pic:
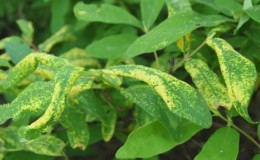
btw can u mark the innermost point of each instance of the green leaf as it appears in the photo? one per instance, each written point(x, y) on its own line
point(254, 12)
point(64, 34)
point(106, 13)
point(73, 119)
point(93, 104)
point(256, 157)
point(150, 11)
point(178, 6)
point(182, 99)
point(27, 29)
point(170, 31)
point(208, 84)
point(111, 47)
point(146, 141)
point(153, 105)
point(46, 145)
point(17, 49)
point(240, 80)
point(26, 155)
point(223, 144)
point(58, 14)
point(231, 7)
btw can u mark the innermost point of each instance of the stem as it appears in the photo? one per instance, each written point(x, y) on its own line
point(239, 130)
point(156, 59)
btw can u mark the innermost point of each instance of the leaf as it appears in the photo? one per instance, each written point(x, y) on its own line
point(73, 119)
point(256, 157)
point(47, 145)
point(223, 144)
point(239, 74)
point(93, 104)
point(178, 6)
point(153, 105)
point(17, 49)
point(208, 84)
point(181, 99)
point(64, 34)
point(231, 7)
point(32, 100)
point(170, 31)
point(58, 14)
point(141, 142)
point(106, 13)
point(254, 12)
point(111, 47)
point(27, 29)
point(150, 11)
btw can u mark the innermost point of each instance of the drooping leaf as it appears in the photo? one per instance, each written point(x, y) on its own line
point(111, 47)
point(47, 145)
point(150, 11)
point(254, 12)
point(182, 100)
point(27, 29)
point(170, 31)
point(240, 81)
point(58, 14)
point(106, 13)
point(64, 34)
point(73, 120)
point(146, 141)
point(223, 144)
point(153, 105)
point(93, 104)
point(208, 84)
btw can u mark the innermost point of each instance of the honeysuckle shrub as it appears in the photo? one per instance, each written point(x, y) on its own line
point(75, 70)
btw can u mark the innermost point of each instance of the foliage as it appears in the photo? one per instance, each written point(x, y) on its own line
point(76, 70)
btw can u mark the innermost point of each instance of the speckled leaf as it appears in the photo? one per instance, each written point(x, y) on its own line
point(111, 47)
point(64, 34)
point(105, 13)
point(153, 105)
point(27, 29)
point(239, 74)
point(92, 103)
point(182, 100)
point(171, 30)
point(208, 84)
point(150, 11)
point(32, 100)
point(254, 12)
point(146, 141)
point(47, 145)
point(223, 144)
point(73, 119)
point(177, 6)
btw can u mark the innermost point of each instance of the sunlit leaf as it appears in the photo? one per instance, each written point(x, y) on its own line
point(170, 31)
point(240, 81)
point(27, 29)
point(223, 144)
point(183, 100)
point(208, 84)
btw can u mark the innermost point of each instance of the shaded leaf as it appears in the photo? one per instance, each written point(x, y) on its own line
point(146, 141)
point(208, 84)
point(106, 13)
point(254, 12)
point(240, 81)
point(111, 47)
point(183, 100)
point(47, 145)
point(170, 31)
point(223, 144)
point(150, 11)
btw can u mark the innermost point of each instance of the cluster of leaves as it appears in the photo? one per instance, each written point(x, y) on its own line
point(78, 69)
